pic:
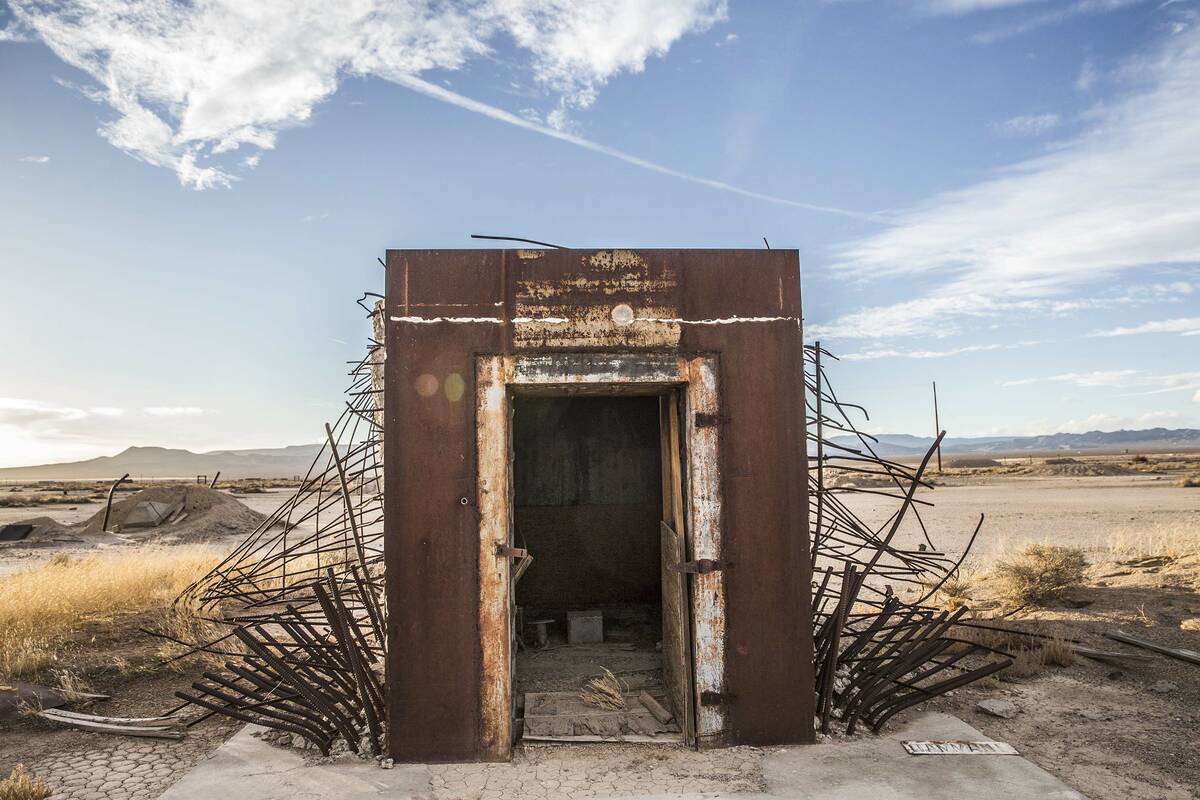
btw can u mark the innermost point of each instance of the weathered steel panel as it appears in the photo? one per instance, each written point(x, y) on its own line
point(676, 315)
point(431, 541)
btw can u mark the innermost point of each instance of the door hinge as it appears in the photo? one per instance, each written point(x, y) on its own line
point(710, 698)
point(704, 419)
point(506, 551)
point(701, 566)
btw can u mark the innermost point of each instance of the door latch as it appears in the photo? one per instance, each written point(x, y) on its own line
point(701, 566)
point(704, 419)
point(505, 551)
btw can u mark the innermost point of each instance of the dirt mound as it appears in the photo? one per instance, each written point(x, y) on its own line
point(45, 531)
point(1069, 467)
point(972, 463)
point(175, 514)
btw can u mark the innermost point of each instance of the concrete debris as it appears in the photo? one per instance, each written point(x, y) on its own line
point(998, 707)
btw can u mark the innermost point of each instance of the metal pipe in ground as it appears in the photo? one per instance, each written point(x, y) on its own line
point(108, 507)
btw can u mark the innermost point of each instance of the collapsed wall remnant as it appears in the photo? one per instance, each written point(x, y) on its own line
point(770, 600)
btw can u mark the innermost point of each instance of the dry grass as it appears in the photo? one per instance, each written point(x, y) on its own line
point(9, 500)
point(959, 589)
point(42, 607)
point(22, 785)
point(1031, 655)
point(604, 691)
point(1174, 540)
point(1191, 481)
point(1037, 574)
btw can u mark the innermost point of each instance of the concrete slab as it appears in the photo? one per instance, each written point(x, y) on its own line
point(877, 768)
point(246, 767)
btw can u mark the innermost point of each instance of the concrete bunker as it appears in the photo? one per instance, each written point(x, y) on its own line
point(634, 422)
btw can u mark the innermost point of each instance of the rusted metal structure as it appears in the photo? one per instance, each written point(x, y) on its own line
point(648, 426)
point(716, 336)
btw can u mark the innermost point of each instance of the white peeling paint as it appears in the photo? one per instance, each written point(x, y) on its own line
point(541, 320)
point(419, 320)
point(721, 321)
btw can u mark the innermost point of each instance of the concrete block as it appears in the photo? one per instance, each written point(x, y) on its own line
point(584, 627)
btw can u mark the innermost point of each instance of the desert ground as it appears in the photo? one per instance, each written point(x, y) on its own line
point(1127, 729)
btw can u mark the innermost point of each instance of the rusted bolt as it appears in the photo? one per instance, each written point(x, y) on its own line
point(462, 501)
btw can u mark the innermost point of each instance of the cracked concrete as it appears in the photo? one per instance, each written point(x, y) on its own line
point(867, 766)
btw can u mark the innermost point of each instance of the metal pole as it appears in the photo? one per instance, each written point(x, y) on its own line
point(937, 427)
point(108, 508)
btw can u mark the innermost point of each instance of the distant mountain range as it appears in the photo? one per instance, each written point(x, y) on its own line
point(162, 462)
point(287, 462)
point(1150, 440)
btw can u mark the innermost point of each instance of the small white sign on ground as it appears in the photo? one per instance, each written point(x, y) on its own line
point(960, 749)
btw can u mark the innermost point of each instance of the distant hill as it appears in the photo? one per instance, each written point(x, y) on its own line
point(1150, 440)
point(162, 462)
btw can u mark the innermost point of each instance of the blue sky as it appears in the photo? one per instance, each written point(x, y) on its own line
point(1002, 196)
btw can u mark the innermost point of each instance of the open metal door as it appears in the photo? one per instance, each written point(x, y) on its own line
point(676, 621)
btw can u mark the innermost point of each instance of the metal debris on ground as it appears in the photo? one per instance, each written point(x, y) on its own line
point(875, 654)
point(301, 597)
point(164, 727)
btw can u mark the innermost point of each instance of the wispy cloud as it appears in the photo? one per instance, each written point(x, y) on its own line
point(34, 159)
point(1123, 195)
point(1030, 125)
point(196, 81)
point(1115, 377)
point(1150, 383)
point(1189, 326)
point(176, 411)
point(871, 355)
point(1019, 382)
point(1041, 16)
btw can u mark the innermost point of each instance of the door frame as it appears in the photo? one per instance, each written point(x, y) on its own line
point(497, 378)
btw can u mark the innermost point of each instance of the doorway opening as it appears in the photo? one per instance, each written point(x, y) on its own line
point(598, 506)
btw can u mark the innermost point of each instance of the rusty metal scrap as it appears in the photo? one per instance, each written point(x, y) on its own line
point(301, 597)
point(875, 654)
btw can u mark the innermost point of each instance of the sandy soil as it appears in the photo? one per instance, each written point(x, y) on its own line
point(1088, 512)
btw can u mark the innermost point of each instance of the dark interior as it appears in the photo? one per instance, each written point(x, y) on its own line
point(588, 500)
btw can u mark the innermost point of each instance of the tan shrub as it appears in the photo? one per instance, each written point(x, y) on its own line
point(1037, 574)
point(22, 785)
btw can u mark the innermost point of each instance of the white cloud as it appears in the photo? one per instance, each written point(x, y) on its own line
point(969, 6)
point(1088, 75)
point(34, 159)
point(16, 411)
point(1189, 326)
point(871, 355)
point(193, 81)
point(105, 411)
point(730, 38)
point(176, 411)
point(1123, 195)
point(1092, 422)
point(1019, 382)
point(1030, 125)
point(1115, 377)
point(1196, 397)
point(1132, 379)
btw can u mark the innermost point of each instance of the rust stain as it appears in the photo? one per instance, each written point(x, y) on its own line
point(594, 327)
point(616, 260)
point(609, 285)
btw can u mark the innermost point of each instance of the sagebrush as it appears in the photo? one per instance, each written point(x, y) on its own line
point(1037, 574)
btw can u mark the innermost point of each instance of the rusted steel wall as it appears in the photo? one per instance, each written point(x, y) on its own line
point(735, 317)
